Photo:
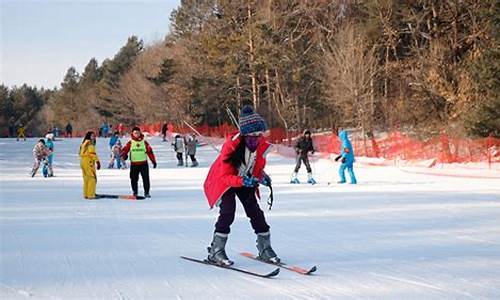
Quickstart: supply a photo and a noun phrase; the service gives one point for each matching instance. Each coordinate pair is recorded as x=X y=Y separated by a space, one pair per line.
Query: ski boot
x=147 y=195
x=217 y=252
x=266 y=252
x=194 y=164
x=310 y=179
x=294 y=180
x=180 y=163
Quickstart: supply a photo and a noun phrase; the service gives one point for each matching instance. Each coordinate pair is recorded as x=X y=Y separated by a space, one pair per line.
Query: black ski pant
x=305 y=159
x=193 y=159
x=135 y=170
x=228 y=209
x=179 y=157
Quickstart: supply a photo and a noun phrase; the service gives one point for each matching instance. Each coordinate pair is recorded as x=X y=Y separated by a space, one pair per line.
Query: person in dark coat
x=303 y=147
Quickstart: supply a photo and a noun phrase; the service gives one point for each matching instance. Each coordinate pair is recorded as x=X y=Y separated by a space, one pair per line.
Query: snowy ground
x=396 y=235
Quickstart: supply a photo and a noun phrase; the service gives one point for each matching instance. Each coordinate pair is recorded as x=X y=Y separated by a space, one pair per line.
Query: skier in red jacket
x=140 y=150
x=237 y=171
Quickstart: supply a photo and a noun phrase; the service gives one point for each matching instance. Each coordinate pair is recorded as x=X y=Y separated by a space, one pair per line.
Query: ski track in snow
x=395 y=235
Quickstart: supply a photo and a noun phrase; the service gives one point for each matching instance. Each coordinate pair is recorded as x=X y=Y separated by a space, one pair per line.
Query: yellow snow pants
x=89 y=179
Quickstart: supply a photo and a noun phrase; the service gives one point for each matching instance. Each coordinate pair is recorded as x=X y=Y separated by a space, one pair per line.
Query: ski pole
x=199 y=134
x=232 y=117
x=271 y=197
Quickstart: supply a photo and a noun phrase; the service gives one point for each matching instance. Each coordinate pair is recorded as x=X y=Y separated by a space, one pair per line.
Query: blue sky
x=41 y=39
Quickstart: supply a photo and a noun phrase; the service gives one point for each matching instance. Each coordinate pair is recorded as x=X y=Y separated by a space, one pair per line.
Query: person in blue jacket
x=347 y=158
x=114 y=138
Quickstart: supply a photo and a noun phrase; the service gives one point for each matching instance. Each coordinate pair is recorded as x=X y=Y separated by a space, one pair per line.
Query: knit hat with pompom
x=251 y=121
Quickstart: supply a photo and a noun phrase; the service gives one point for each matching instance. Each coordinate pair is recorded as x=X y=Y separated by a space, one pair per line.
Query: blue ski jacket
x=346 y=150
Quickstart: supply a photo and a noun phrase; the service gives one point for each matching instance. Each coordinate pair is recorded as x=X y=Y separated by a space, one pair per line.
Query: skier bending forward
x=237 y=171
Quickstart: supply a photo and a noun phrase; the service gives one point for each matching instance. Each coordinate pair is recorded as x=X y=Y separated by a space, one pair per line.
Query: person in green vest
x=139 y=150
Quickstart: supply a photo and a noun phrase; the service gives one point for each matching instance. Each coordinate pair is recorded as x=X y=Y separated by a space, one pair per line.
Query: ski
x=282 y=265
x=123 y=197
x=205 y=262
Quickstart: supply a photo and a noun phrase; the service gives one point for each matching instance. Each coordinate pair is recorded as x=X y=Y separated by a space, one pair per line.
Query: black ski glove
x=154 y=164
x=343 y=160
x=338 y=157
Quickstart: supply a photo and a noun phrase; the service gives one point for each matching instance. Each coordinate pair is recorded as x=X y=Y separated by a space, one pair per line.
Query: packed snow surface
x=395 y=235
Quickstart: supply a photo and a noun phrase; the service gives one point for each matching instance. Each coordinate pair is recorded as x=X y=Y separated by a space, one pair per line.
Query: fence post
x=488 y=148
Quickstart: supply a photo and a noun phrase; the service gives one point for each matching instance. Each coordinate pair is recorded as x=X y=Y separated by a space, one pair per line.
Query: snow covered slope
x=395 y=235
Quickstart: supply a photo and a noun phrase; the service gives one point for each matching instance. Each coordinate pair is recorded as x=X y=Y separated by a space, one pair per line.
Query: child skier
x=303 y=146
x=40 y=153
x=347 y=158
x=113 y=139
x=116 y=156
x=89 y=162
x=140 y=150
x=47 y=166
x=237 y=171
x=191 y=144
x=178 y=144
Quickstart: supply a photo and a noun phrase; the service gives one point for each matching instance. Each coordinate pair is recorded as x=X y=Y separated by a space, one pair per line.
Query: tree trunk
x=269 y=106
x=251 y=59
x=238 y=91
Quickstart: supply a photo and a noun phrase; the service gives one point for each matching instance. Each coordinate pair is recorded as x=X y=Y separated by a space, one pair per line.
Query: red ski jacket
x=149 y=151
x=222 y=175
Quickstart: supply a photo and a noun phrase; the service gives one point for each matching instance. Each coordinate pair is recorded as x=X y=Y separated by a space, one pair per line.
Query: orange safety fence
x=442 y=148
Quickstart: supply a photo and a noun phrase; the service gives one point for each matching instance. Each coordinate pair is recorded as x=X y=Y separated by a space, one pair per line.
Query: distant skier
x=40 y=153
x=112 y=142
x=139 y=150
x=120 y=128
x=69 y=130
x=347 y=158
x=303 y=146
x=47 y=169
x=56 y=131
x=104 y=129
x=21 y=133
x=113 y=139
x=179 y=148
x=191 y=144
x=12 y=128
x=164 y=130
x=237 y=171
x=89 y=162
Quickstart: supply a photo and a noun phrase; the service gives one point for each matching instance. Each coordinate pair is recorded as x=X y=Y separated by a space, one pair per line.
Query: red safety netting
x=394 y=145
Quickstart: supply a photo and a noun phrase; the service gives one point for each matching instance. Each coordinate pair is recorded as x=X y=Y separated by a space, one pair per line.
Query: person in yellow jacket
x=89 y=161
x=21 y=133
